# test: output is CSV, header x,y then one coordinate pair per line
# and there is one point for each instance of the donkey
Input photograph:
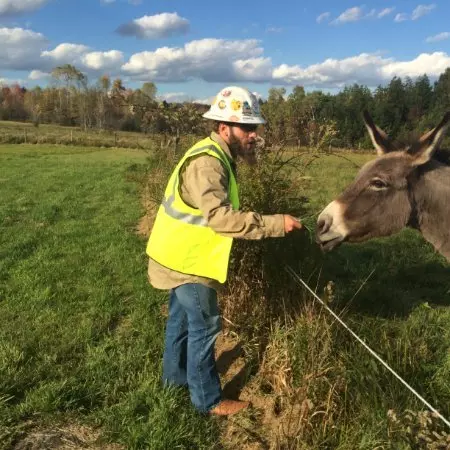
x,y
400,188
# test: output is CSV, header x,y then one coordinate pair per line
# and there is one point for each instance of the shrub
x,y
259,289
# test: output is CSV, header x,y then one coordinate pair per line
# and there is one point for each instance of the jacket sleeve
x,y
205,186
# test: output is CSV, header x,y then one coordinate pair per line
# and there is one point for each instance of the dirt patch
x,y
231,365
69,437
144,226
145,223
278,415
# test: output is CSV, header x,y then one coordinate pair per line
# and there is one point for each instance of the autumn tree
x,y
275,113
70,80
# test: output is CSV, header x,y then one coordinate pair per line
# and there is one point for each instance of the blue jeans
x,y
191,331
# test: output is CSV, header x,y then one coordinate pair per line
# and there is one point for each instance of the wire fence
x,y
47,134
361,341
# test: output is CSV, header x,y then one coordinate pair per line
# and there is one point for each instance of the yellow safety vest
x,y
181,238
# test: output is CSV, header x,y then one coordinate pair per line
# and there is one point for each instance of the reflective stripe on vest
x,y
185,217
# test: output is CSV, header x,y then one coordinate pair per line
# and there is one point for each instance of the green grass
x,y
80,330
27,133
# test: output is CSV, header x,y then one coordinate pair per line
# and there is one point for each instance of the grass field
x,y
80,329
81,332
27,133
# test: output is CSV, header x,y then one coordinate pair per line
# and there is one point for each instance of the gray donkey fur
x,y
408,187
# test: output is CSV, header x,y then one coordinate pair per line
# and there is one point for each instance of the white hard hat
x,y
235,104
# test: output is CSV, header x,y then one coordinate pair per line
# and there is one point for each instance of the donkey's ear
x,y
379,138
423,150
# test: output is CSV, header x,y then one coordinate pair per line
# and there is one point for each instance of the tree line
x,y
301,118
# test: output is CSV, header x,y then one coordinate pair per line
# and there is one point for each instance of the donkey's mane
x,y
443,156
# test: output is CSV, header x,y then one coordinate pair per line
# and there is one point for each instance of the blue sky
x,y
191,49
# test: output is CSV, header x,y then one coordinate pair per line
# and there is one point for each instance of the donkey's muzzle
x,y
326,236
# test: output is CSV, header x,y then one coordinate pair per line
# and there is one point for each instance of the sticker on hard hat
x,y
235,105
222,104
246,109
226,93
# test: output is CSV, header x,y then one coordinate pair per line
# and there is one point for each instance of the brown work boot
x,y
228,407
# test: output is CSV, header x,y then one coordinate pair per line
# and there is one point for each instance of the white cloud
x,y
368,69
422,10
66,53
83,58
208,59
13,7
438,37
180,97
364,68
253,69
349,15
433,64
157,26
215,60
322,17
401,17
385,12
204,101
274,30
11,82
177,97
418,12
20,49
38,75
355,14
102,60
258,95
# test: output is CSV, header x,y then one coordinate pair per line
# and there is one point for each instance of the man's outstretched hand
x,y
291,224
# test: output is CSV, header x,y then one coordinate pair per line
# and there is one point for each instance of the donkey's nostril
x,y
320,225
324,224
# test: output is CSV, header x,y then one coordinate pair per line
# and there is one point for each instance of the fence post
x,y
115,139
71,136
25,135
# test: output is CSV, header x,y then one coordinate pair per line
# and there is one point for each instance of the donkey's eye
x,y
378,184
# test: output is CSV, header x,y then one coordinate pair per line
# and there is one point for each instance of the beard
x,y
248,155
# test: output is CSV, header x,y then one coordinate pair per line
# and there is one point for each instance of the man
x,y
190,243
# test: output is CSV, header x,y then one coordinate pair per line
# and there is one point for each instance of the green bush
x,y
259,289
